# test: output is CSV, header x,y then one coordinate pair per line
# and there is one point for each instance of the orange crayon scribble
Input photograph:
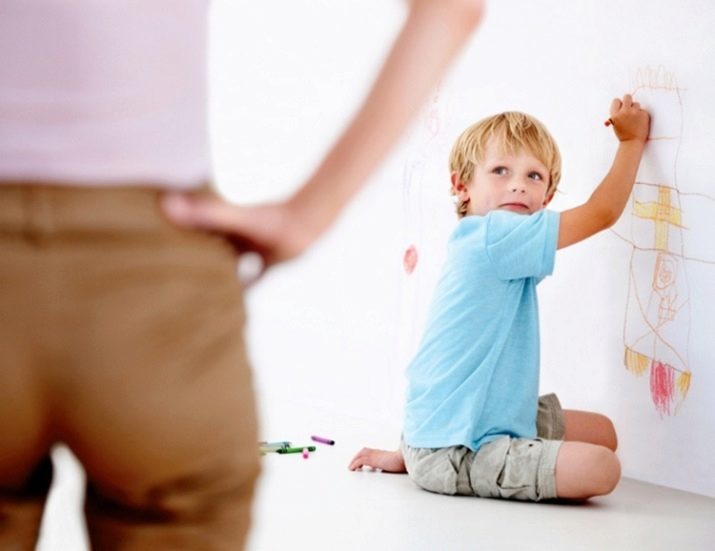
x,y
656,78
683,383
636,362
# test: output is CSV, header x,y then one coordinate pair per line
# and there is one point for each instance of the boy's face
x,y
517,183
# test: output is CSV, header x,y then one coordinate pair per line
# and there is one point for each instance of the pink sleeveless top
x,y
104,92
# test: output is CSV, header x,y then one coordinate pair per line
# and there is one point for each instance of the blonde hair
x,y
512,131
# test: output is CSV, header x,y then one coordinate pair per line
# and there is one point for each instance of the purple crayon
x,y
322,440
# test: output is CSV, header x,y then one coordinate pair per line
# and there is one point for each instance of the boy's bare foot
x,y
386,461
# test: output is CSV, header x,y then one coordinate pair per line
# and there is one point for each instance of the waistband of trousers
x,y
49,210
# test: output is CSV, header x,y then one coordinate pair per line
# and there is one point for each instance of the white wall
x,y
337,327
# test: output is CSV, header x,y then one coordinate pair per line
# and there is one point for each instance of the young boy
x,y
473,422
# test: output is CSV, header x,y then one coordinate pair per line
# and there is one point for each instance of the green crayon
x,y
296,450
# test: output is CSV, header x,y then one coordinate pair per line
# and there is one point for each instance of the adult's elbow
x,y
464,13
468,12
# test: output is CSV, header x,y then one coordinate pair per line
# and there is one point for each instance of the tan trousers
x,y
121,336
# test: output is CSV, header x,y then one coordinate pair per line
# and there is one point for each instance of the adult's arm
x,y
433,33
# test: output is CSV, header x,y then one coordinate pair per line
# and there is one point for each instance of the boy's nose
x,y
517,186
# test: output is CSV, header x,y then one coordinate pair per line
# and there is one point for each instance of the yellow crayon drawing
x,y
662,213
656,330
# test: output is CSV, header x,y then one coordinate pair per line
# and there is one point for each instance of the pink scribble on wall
x,y
409,260
662,379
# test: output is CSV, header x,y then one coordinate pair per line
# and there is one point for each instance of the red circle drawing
x,y
409,260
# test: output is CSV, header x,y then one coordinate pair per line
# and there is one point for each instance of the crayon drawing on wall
x,y
657,327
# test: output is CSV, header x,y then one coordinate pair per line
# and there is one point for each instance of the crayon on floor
x,y
323,440
296,450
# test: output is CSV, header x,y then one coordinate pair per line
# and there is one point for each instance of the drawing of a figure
x,y
657,323
423,141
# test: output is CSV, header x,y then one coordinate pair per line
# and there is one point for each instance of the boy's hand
x,y
606,204
386,461
630,122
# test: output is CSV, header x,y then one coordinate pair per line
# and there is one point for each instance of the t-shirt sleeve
x,y
521,246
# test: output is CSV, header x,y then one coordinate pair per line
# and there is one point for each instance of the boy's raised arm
x,y
604,207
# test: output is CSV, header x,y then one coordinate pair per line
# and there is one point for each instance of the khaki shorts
x,y
121,337
511,468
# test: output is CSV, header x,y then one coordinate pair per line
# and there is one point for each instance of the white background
x,y
334,330
337,327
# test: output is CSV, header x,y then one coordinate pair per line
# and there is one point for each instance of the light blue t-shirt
x,y
476,373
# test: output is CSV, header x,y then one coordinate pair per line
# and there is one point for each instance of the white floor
x,y
317,504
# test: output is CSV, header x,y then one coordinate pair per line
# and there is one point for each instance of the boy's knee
x,y
610,438
609,469
586,470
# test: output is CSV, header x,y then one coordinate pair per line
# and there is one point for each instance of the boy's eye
x,y
500,170
536,176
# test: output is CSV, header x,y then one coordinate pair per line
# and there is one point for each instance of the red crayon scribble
x,y
662,379
409,260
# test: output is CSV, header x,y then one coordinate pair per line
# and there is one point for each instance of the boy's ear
x,y
459,188
549,198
